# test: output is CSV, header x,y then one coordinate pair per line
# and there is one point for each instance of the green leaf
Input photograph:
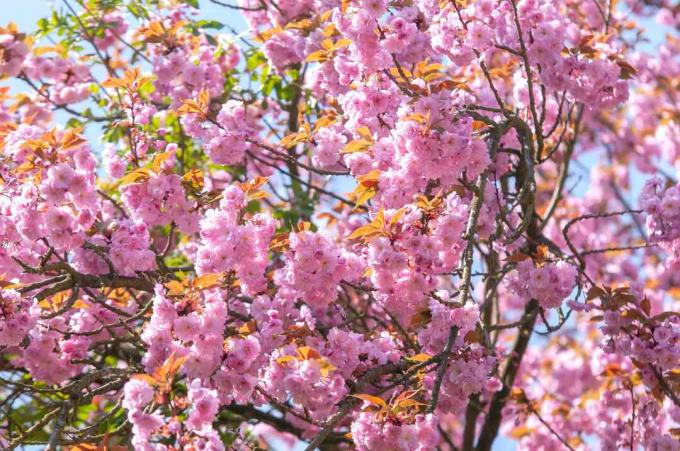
x,y
213,24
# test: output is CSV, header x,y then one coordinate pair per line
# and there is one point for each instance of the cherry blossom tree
x,y
356,224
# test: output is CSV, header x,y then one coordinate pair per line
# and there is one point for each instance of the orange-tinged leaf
x,y
478,125
83,447
420,319
419,357
518,257
433,76
175,288
264,36
370,398
330,219
198,106
285,359
320,56
364,196
365,231
327,44
627,71
328,48
365,133
80,304
168,370
450,85
595,292
406,394
114,83
146,378
39,51
248,328
304,226
375,228
158,161
473,337
207,281
340,43
674,292
326,367
56,301
189,106
519,432
258,195
369,179
139,174
397,216
253,185
194,179
130,80
292,139
367,187
155,28
280,242
646,306
302,24
406,403
329,30
307,353
72,139
324,121
326,15
418,117
307,25
360,145
204,98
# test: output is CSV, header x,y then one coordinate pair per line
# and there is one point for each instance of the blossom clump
x,y
549,284
367,434
314,267
17,317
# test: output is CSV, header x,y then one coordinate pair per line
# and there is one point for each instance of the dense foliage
x,y
358,224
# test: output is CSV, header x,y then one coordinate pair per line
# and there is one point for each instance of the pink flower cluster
x,y
662,206
17,317
160,200
130,248
226,139
237,377
587,73
137,394
189,66
314,267
13,50
114,31
59,206
405,266
305,383
549,284
68,80
191,330
368,434
661,351
230,241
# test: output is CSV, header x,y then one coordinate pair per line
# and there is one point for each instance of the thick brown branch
x,y
494,415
